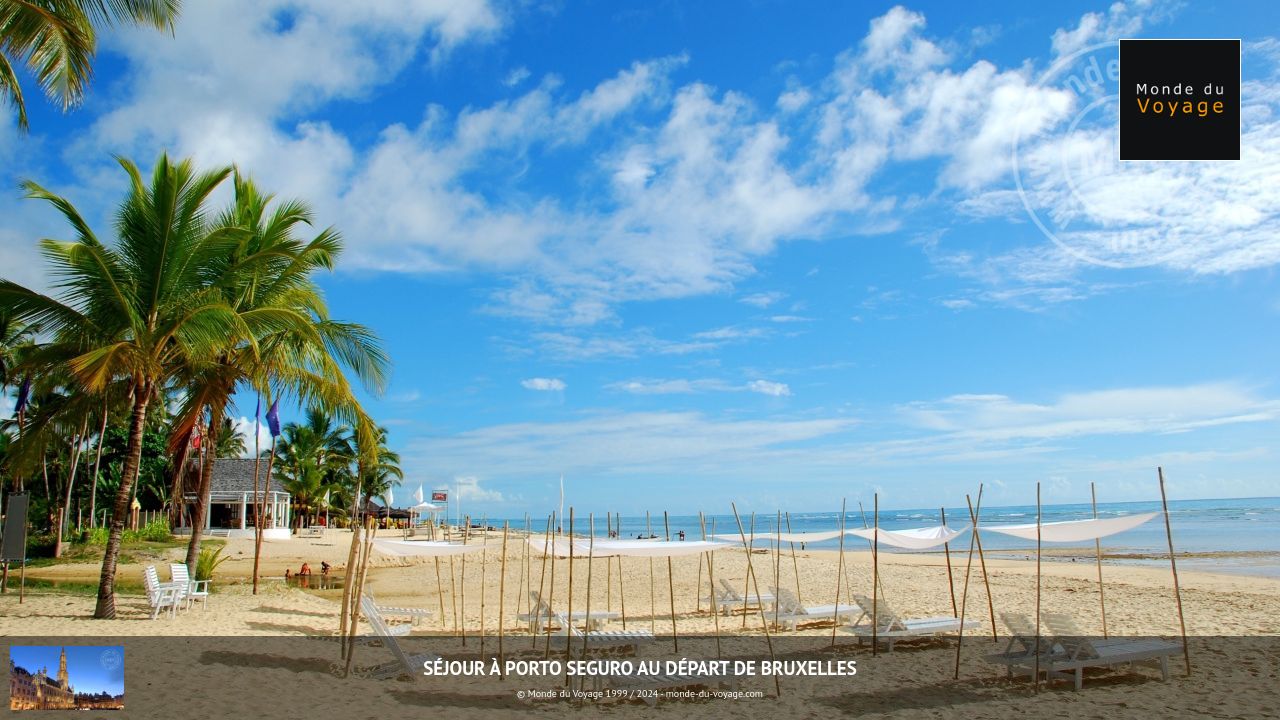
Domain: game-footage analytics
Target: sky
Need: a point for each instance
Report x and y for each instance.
(776, 253)
(91, 669)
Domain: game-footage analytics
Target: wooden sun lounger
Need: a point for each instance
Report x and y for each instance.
(790, 613)
(415, 615)
(541, 616)
(891, 627)
(1080, 652)
(599, 639)
(729, 599)
(403, 664)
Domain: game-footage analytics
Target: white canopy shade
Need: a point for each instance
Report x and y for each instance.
(420, 548)
(1073, 530)
(629, 548)
(914, 538)
(427, 507)
(800, 537)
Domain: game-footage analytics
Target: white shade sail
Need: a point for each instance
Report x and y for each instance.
(912, 539)
(1073, 530)
(801, 537)
(423, 548)
(427, 507)
(628, 548)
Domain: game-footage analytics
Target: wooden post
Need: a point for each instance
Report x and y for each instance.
(751, 576)
(946, 549)
(711, 582)
(671, 586)
(764, 624)
(502, 596)
(795, 565)
(542, 580)
(975, 515)
(462, 580)
(964, 595)
(484, 565)
(608, 563)
(653, 603)
(875, 573)
(1173, 564)
(439, 591)
(591, 554)
(568, 632)
(777, 563)
(840, 571)
(1037, 648)
(1097, 548)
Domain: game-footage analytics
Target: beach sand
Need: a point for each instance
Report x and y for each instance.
(1234, 621)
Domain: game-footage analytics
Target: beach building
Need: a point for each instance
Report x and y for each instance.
(231, 506)
(39, 691)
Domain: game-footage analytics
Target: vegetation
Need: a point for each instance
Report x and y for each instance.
(57, 39)
(140, 354)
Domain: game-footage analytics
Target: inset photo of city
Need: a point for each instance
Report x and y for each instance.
(74, 677)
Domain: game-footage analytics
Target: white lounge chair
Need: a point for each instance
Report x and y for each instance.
(191, 590)
(410, 665)
(542, 615)
(729, 599)
(415, 615)
(890, 627)
(160, 596)
(790, 613)
(1023, 643)
(1079, 652)
(599, 639)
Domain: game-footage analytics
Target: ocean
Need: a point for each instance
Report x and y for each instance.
(1237, 535)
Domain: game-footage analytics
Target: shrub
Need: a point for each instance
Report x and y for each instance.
(155, 531)
(208, 561)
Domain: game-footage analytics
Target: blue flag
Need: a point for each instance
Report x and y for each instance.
(24, 394)
(273, 418)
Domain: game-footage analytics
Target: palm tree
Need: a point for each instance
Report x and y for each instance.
(295, 349)
(138, 310)
(313, 460)
(57, 39)
(230, 442)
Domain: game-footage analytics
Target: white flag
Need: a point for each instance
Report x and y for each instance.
(417, 496)
(390, 497)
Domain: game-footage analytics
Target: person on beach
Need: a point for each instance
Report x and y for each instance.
(324, 568)
(287, 575)
(681, 536)
(304, 570)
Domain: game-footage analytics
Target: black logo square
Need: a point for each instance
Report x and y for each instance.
(1179, 99)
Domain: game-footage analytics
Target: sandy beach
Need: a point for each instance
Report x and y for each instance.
(1231, 618)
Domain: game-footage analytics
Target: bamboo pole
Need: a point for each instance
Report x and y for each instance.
(671, 586)
(484, 564)
(453, 594)
(844, 506)
(711, 582)
(698, 583)
(502, 597)
(879, 584)
(974, 518)
(946, 549)
(795, 564)
(875, 574)
(568, 632)
(591, 553)
(440, 591)
(777, 563)
(751, 575)
(1037, 649)
(764, 624)
(462, 580)
(542, 581)
(653, 604)
(551, 588)
(348, 583)
(964, 595)
(1173, 564)
(1097, 549)
(608, 563)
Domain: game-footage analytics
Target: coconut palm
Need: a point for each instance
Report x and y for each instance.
(314, 459)
(137, 310)
(295, 350)
(57, 39)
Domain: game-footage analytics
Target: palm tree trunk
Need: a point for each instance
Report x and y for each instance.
(106, 608)
(71, 482)
(176, 487)
(201, 509)
(97, 465)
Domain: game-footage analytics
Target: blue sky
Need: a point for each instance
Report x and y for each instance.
(771, 252)
(90, 668)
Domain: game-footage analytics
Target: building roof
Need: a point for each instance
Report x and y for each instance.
(236, 475)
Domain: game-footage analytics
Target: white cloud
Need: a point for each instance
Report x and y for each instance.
(1122, 19)
(762, 299)
(766, 387)
(244, 428)
(516, 76)
(543, 384)
(467, 487)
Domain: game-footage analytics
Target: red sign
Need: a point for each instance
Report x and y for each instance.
(439, 497)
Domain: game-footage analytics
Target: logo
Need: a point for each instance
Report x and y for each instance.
(111, 659)
(1179, 99)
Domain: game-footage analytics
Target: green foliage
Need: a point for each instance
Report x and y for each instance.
(209, 560)
(155, 531)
